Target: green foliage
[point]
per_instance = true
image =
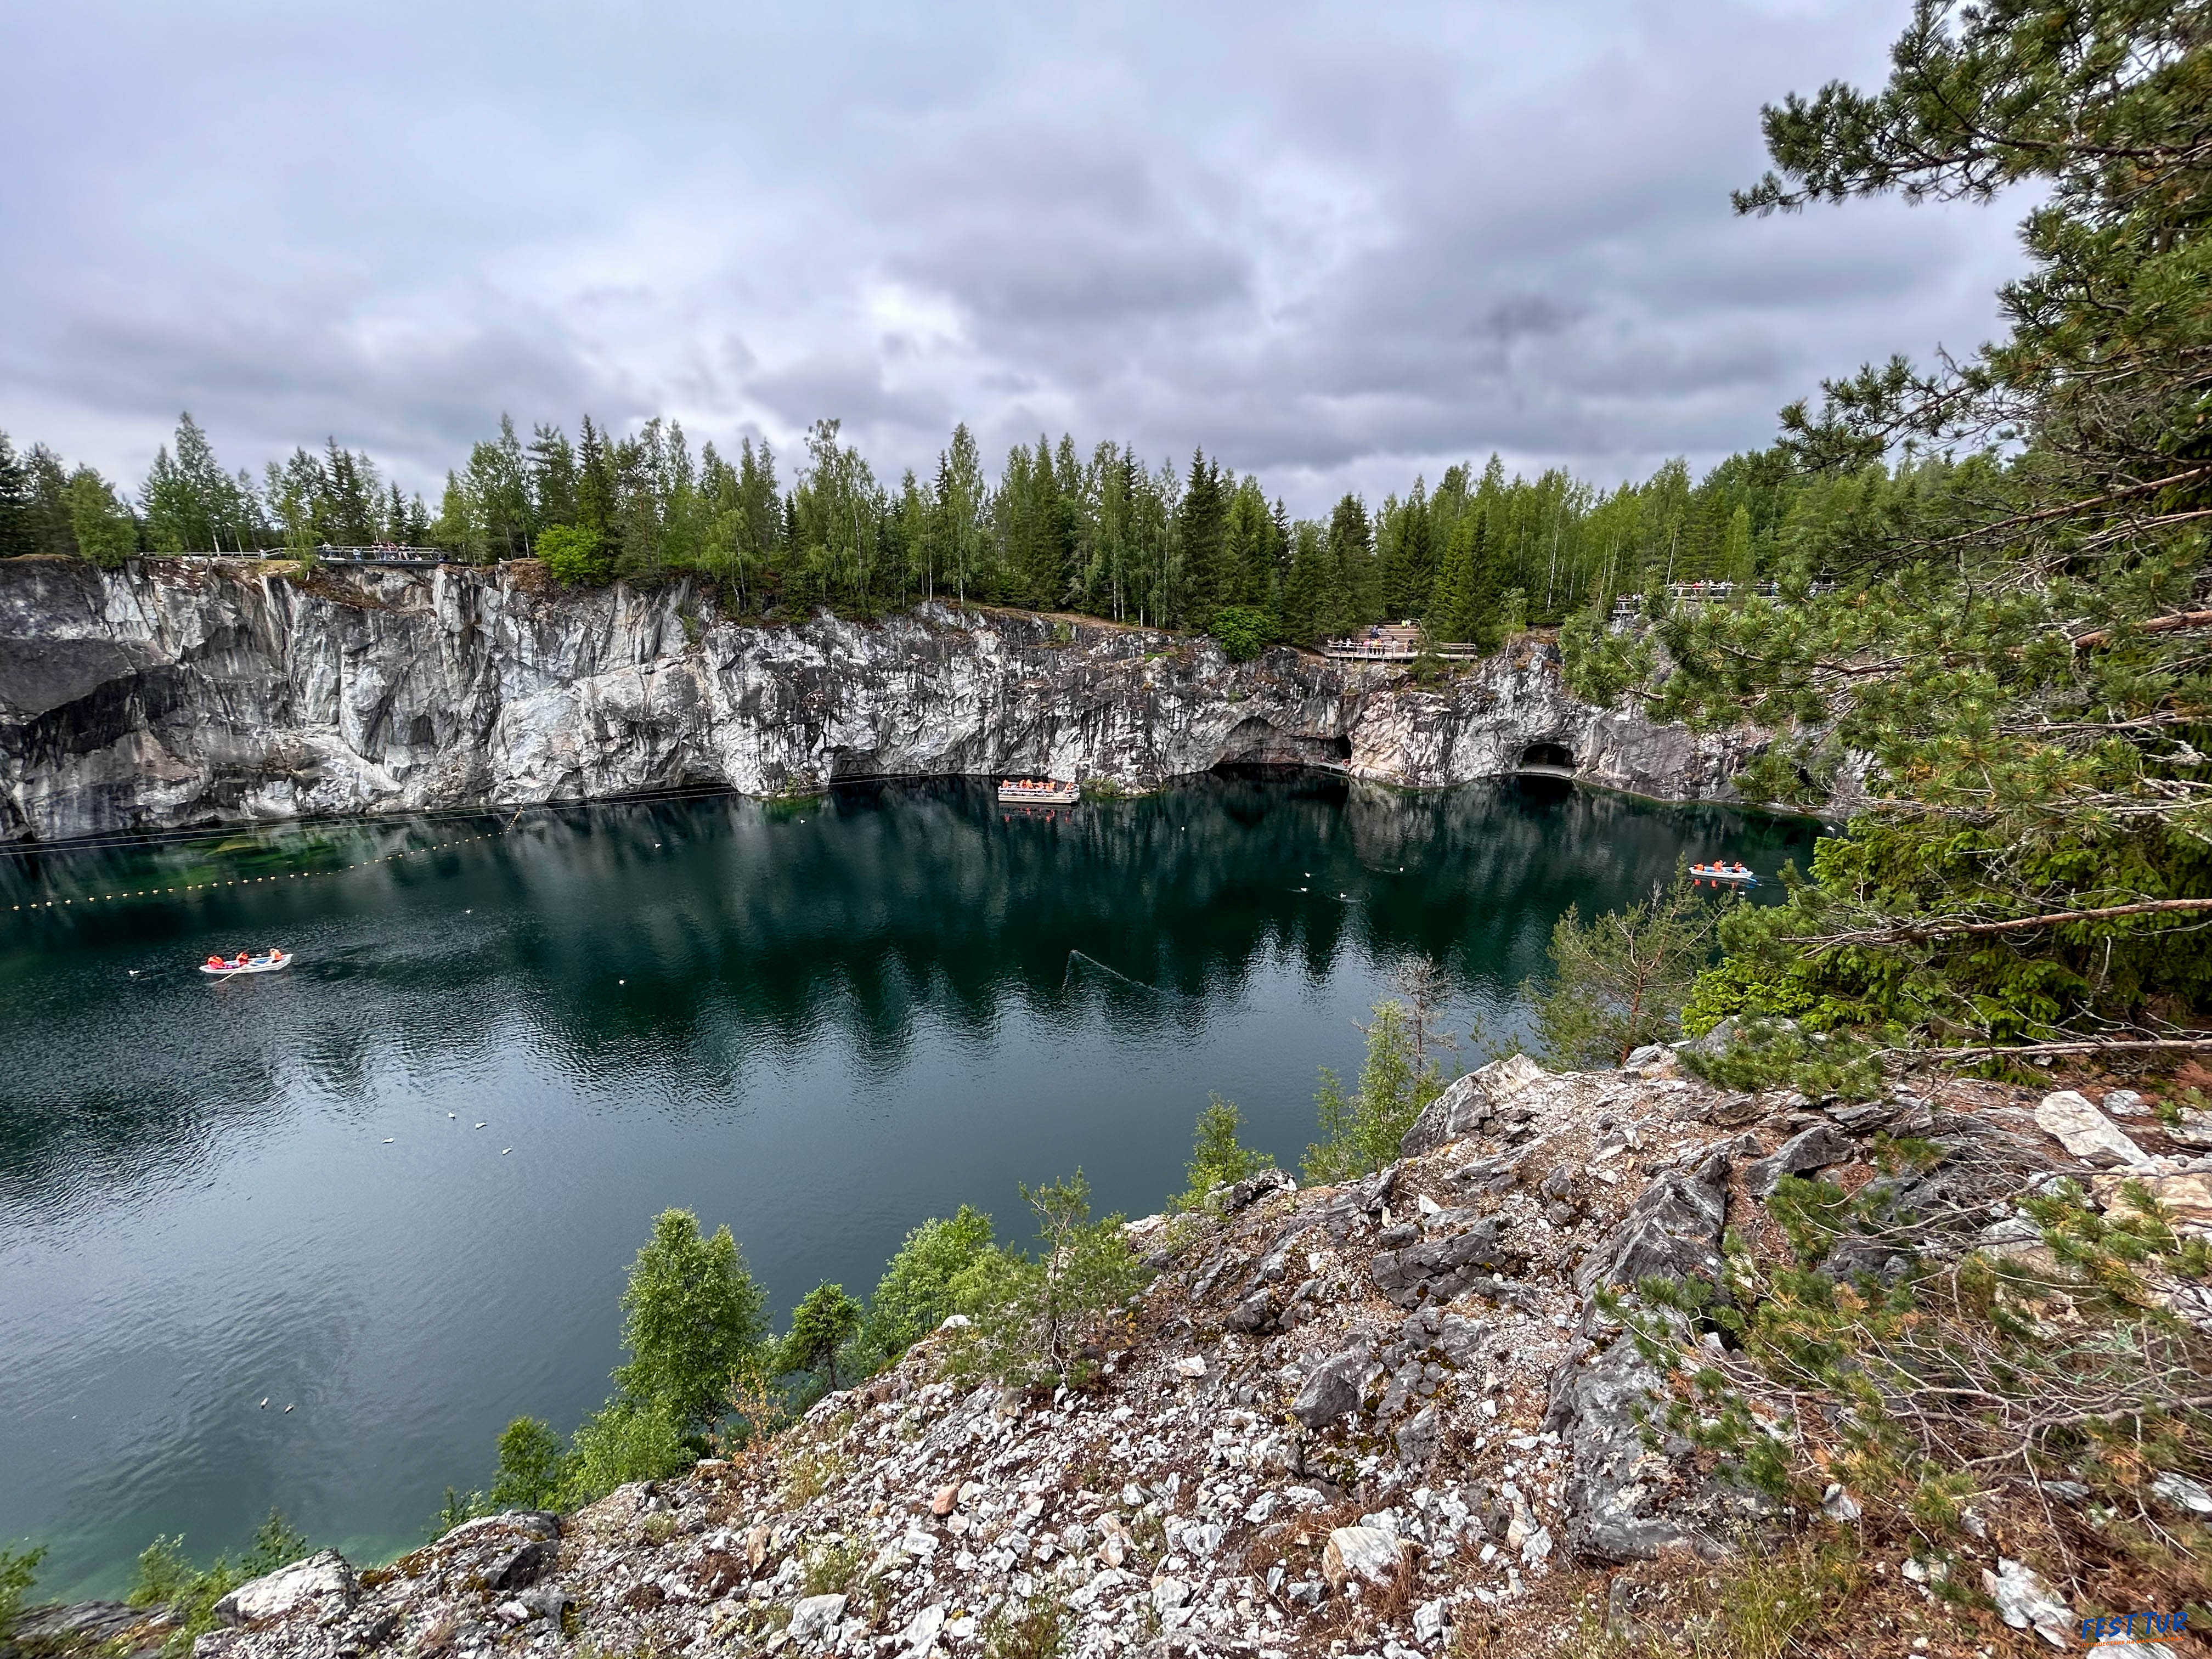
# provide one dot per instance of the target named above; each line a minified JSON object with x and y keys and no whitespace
{"x":1036,"y":1629}
{"x":575,"y":556}
{"x":169,"y":1580}
{"x":1027,"y":1312}
{"x":18,"y":530}
{"x":625,"y":1440}
{"x":833,"y":1568}
{"x":1769,"y":1055}
{"x":1602,"y":664}
{"x":456,"y":1508}
{"x":1244,"y":631}
{"x":915,"y":1296}
{"x":826,"y":1320}
{"x":692,"y":1315}
{"x":18,"y":1571}
{"x":809,"y":1471}
{"x":103,"y":527}
{"x":1362,"y":1132}
{"x":1619,"y":979}
{"x":1923,"y":1392}
{"x":1216,"y":1158}
{"x":533,"y":1466}
{"x":2013,"y":635}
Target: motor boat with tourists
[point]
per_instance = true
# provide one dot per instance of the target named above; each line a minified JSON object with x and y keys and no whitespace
{"x":1723,"y":871}
{"x":1039,"y":792}
{"x":267,"y":962}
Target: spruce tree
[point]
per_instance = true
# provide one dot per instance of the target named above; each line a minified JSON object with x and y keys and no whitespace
{"x":50,"y":509}
{"x":1352,"y":556}
{"x":17,"y":532}
{"x":597,"y":514}
{"x":1201,"y":524}
{"x":552,"y":464}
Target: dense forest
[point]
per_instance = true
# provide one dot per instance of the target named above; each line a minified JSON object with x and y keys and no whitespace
{"x":1473,"y":556}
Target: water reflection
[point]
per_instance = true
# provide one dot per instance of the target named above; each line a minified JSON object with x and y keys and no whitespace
{"x":817,"y":1021}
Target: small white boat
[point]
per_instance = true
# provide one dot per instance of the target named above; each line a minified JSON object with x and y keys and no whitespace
{"x":225,"y":968}
{"x":1038,"y":792}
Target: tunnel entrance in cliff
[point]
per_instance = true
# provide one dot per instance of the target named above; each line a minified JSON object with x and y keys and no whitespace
{"x":1547,"y":757}
{"x":1261,"y":743}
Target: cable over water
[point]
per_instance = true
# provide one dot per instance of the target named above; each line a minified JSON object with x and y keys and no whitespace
{"x":1074,"y":956}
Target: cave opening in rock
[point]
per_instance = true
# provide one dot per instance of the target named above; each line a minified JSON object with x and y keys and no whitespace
{"x":1261,"y":743}
{"x":1550,"y":755}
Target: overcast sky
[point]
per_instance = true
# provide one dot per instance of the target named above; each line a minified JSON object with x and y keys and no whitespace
{"x":1334,"y":245}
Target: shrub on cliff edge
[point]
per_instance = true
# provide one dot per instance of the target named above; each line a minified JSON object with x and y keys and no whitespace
{"x":1027,"y":1313}
{"x":573,"y":557}
{"x":18,"y":1569}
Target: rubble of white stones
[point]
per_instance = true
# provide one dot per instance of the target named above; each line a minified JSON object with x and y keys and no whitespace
{"x":1339,"y":1421}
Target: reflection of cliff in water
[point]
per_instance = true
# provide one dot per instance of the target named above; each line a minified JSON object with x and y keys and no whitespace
{"x":686,"y":947}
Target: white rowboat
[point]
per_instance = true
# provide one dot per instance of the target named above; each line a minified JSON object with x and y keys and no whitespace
{"x":254,"y":965}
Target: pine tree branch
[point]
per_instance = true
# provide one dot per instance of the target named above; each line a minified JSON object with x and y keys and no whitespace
{"x":2173,"y":623}
{"x":2070,"y":509}
{"x":2087,"y":1046}
{"x":1949,"y":930}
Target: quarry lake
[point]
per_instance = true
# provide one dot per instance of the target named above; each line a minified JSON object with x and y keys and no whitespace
{"x":817,"y":1021}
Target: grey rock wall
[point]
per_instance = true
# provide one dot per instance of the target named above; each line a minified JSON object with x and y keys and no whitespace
{"x":172,"y":694}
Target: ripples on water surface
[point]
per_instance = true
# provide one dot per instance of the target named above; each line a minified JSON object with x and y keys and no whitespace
{"x":818,"y":1022}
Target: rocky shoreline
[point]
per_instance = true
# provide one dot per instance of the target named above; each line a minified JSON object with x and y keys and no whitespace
{"x":174,"y":694}
{"x":1396,"y":1416}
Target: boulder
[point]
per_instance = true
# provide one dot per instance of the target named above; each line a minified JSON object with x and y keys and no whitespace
{"x":1615,"y":1501}
{"x":2186,"y":1198}
{"x":1469,"y":1104}
{"x":518,"y":1568}
{"x":1626,"y":1500}
{"x":921,"y":1631}
{"x":1437,"y":1269}
{"x":1417,"y":1440}
{"x":324,"y":1584}
{"x":1671,"y":1232}
{"x":2026,"y":1603}
{"x":1717,"y":1041}
{"x":1254,"y":1314}
{"x":2086,"y":1133}
{"x":1264,"y":1183}
{"x":815,"y":1617}
{"x":1366,"y":1555}
{"x":1815,"y":1148}
{"x":1332,"y":1389}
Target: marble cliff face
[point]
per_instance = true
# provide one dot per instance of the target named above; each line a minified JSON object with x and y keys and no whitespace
{"x":171,"y":693}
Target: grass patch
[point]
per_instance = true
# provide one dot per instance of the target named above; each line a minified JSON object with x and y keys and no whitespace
{"x":810,"y":1473}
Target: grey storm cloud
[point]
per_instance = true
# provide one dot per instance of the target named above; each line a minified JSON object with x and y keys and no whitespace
{"x":1334,"y":245}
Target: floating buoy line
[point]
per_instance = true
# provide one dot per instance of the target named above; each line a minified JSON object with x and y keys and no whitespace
{"x":180,"y":889}
{"x":174,"y":838}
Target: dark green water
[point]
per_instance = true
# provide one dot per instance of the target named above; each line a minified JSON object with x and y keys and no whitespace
{"x":817,"y":1022}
